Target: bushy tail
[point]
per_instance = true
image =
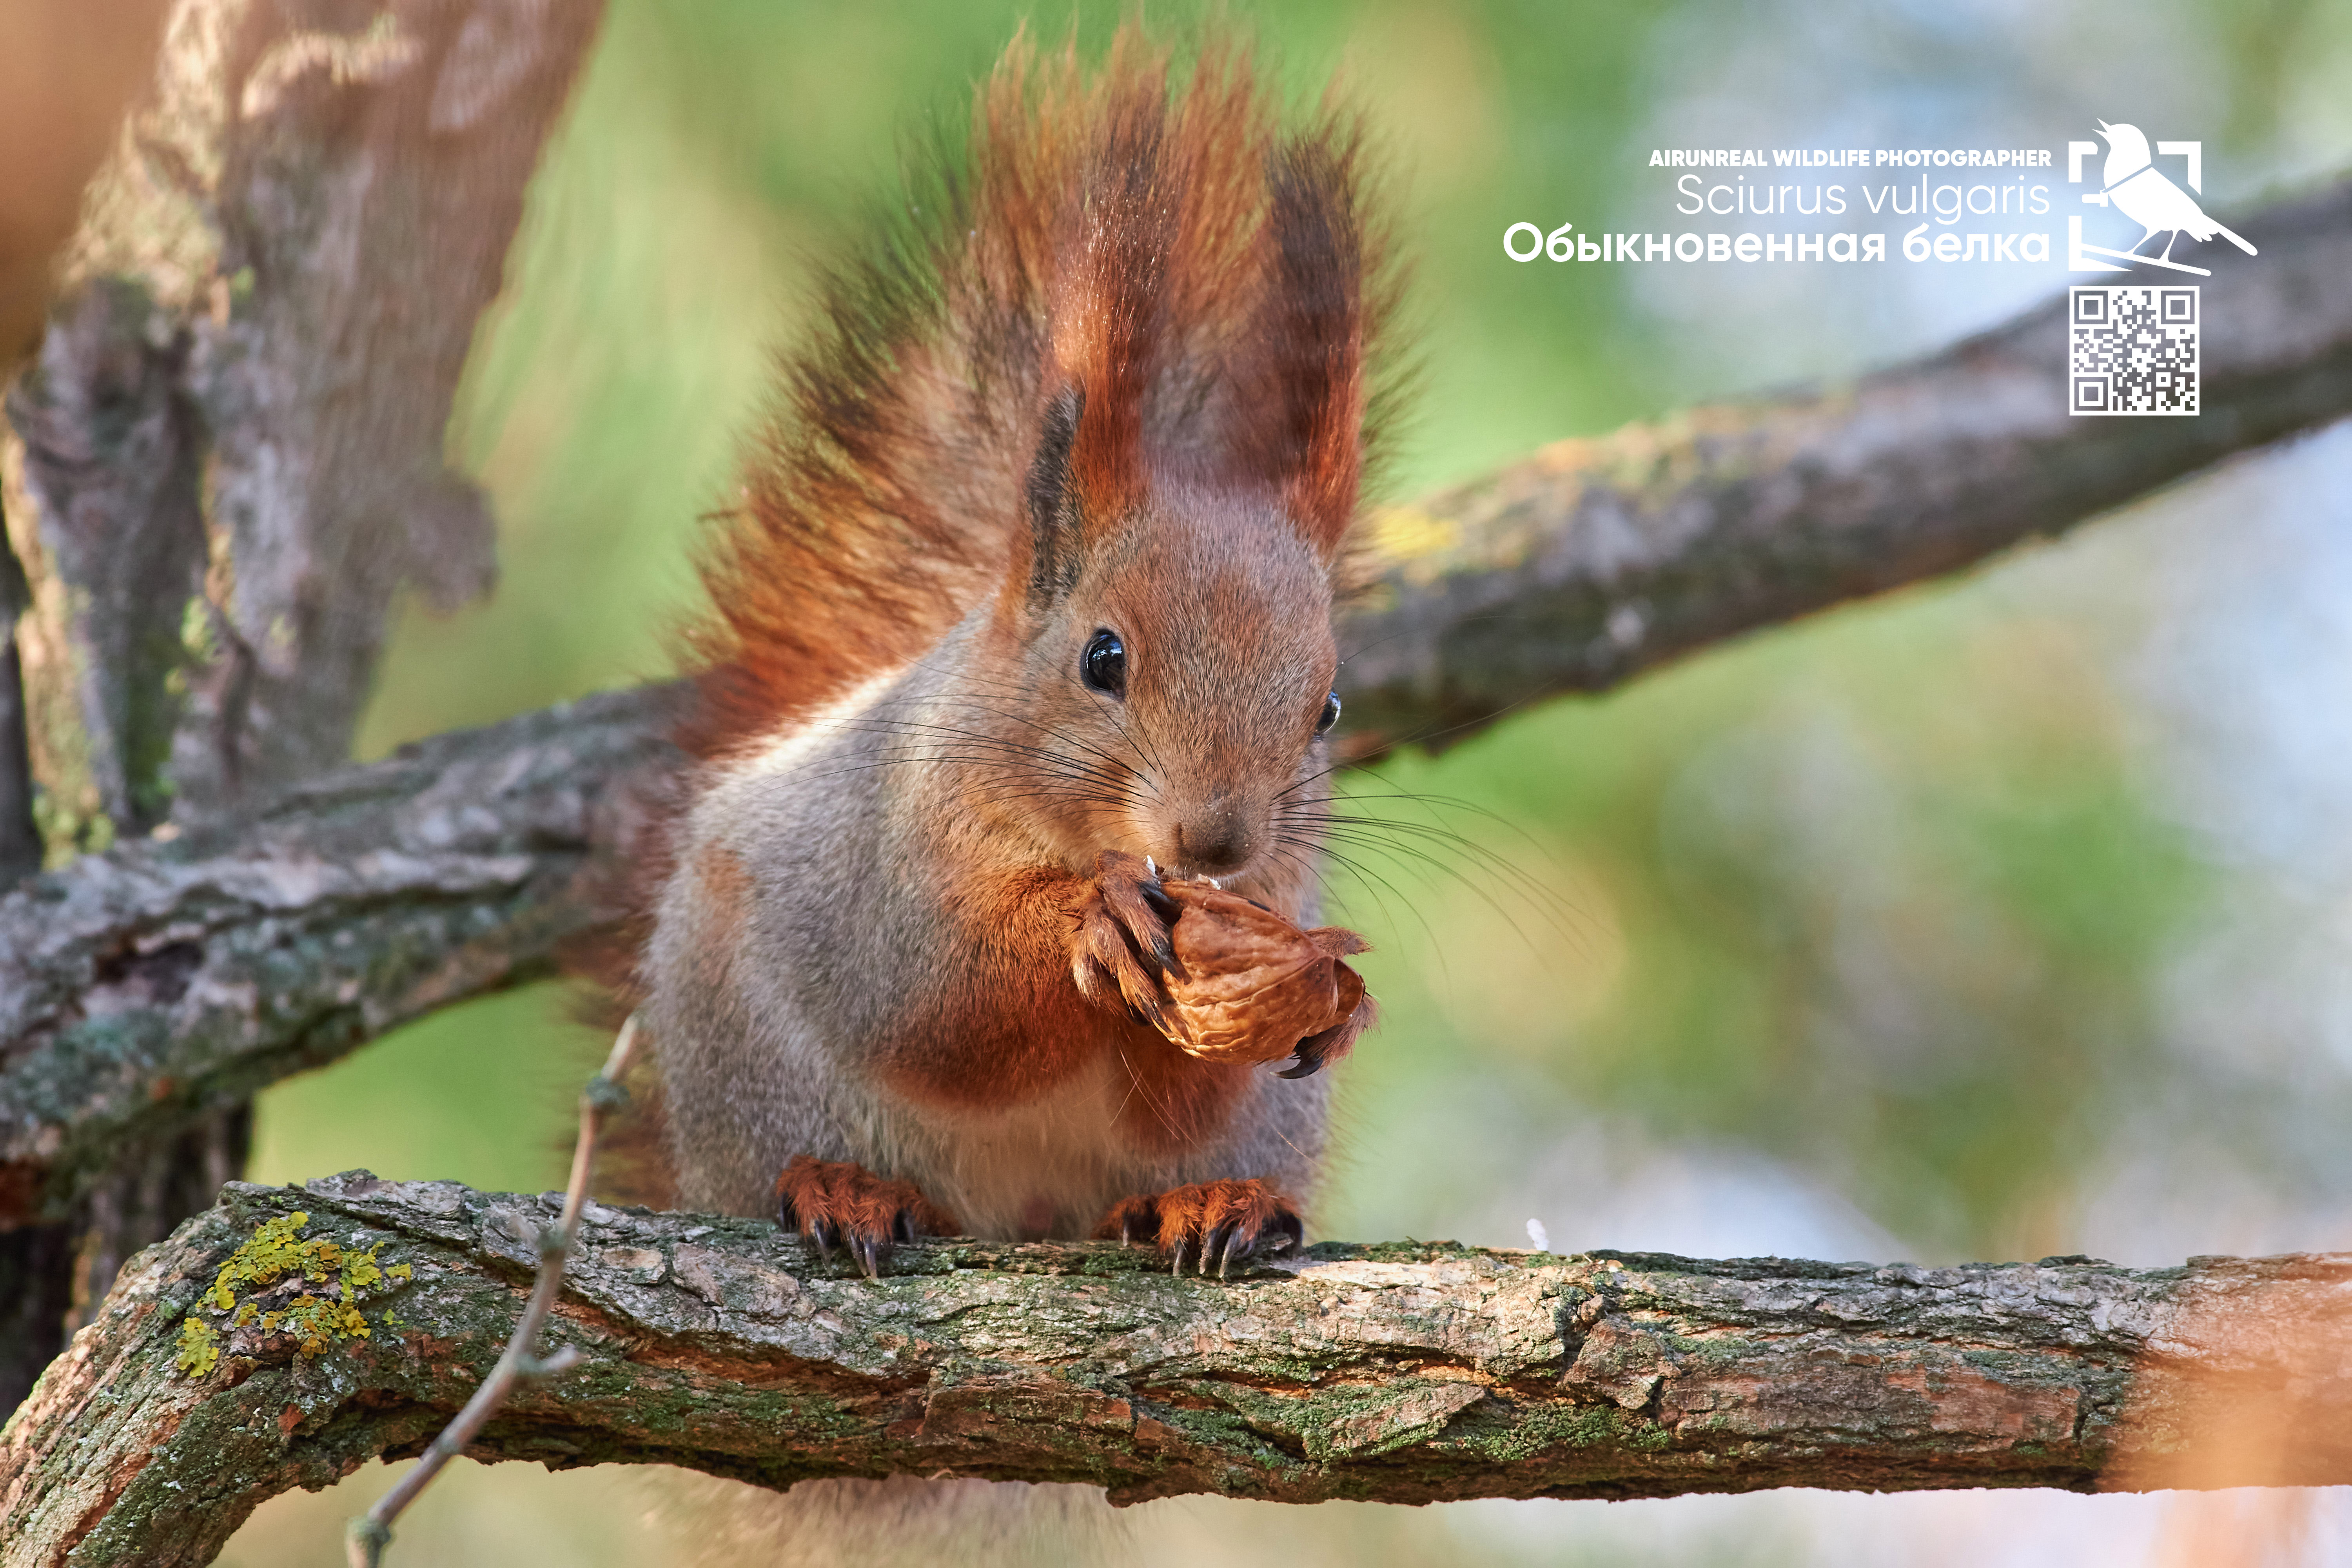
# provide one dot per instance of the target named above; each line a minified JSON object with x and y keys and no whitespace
{"x":902,"y":1522}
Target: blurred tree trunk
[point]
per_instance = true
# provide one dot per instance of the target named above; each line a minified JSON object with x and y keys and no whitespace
{"x":20,"y":840}
{"x":66,"y":73}
{"x":230,"y":461}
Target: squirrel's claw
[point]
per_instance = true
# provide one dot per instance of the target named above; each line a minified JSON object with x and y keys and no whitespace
{"x":1108,"y":950}
{"x":1231,"y":1222}
{"x":1317,"y":1050}
{"x":835,"y":1203}
{"x":1132,"y":896}
{"x":1122,"y":950}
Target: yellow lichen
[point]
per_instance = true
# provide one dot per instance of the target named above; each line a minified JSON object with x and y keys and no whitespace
{"x":316,"y":1321}
{"x":269,"y":1254}
{"x":360,"y":1271}
{"x":199,"y":1346}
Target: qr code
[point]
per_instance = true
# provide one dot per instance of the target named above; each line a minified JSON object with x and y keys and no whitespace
{"x":2132,"y":350}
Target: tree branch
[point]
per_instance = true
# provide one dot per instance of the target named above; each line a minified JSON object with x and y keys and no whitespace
{"x":138,"y":987}
{"x":1408,"y":1373}
{"x":142,"y":988}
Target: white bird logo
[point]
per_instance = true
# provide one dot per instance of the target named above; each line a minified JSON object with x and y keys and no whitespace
{"x":2138,"y":189}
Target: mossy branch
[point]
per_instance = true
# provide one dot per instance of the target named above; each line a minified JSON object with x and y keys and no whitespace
{"x":141,"y":989}
{"x":1408,"y":1372}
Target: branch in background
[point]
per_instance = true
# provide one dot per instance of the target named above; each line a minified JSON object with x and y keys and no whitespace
{"x":145,"y":988}
{"x":147,"y":996}
{"x":1596,"y":559}
{"x":1408,"y":1373}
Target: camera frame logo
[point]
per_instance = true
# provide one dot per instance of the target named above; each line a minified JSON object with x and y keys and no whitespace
{"x":2132,"y":349}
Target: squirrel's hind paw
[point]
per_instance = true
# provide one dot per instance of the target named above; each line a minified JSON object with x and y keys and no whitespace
{"x":834,"y":1201}
{"x":1229,"y":1221}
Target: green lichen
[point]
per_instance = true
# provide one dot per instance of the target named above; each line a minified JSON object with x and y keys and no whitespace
{"x":1237,"y":1434}
{"x":278,"y":1250}
{"x":1551,"y":1428}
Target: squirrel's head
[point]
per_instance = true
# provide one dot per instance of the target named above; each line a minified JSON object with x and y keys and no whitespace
{"x":1109,"y":376}
{"x":1171,"y":681}
{"x":1197,"y":446}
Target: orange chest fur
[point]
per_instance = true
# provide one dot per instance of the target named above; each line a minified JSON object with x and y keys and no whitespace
{"x":1003,"y":1025}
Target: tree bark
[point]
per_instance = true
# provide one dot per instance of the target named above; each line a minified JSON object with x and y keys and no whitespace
{"x":231,"y":453}
{"x":235,"y":431}
{"x":146,"y":989}
{"x":1407,"y":1373}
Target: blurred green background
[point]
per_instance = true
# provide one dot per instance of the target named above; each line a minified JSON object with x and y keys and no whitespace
{"x":1997,"y":918}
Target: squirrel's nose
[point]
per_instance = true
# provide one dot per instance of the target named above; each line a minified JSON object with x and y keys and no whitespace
{"x":1214,"y":840}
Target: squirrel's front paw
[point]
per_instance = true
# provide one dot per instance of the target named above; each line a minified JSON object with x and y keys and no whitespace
{"x":1226,"y":1220}
{"x":831,"y":1201}
{"x":1122,"y":951}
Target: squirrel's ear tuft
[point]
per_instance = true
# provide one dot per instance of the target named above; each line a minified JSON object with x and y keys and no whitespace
{"x":1107,"y":330}
{"x":1310,"y":333}
{"x":1056,"y":524}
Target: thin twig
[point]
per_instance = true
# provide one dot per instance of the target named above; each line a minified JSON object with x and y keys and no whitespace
{"x":602,"y":1096}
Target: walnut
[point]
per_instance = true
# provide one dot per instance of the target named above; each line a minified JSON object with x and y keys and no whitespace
{"x":1248,"y":986}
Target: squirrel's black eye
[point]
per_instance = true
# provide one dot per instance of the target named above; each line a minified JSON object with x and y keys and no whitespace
{"x":1103,"y":664}
{"x":1330,"y":714}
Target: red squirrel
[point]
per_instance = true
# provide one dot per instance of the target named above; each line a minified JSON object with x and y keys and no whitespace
{"x":1027,"y":604}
